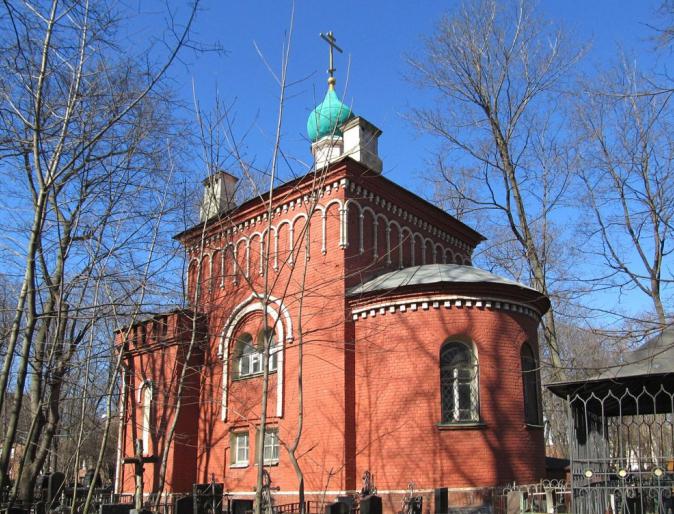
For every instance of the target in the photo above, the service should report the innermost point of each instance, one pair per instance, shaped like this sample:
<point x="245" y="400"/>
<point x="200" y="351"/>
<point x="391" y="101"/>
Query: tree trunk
<point x="522" y="232"/>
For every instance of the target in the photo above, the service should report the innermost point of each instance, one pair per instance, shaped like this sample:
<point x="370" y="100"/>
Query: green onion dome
<point x="325" y="119"/>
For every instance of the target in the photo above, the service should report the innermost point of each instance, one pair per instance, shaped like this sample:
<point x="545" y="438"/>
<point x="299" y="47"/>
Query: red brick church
<point x="416" y="365"/>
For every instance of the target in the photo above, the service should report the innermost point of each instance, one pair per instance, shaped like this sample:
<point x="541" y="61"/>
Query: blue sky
<point x="376" y="37"/>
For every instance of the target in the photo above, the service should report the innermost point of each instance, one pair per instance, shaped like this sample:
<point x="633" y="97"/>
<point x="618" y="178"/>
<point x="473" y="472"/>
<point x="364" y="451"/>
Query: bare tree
<point x="280" y="275"/>
<point x="628" y="178"/>
<point x="665" y="31"/>
<point x="497" y="69"/>
<point x="221" y="150"/>
<point x="81" y="132"/>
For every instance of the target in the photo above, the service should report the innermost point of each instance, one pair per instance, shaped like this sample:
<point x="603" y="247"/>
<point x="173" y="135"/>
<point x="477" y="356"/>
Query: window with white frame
<point x="250" y="353"/>
<point x="271" y="446"/>
<point x="239" y="449"/>
<point x="267" y="336"/>
<point x="248" y="358"/>
<point x="459" y="383"/>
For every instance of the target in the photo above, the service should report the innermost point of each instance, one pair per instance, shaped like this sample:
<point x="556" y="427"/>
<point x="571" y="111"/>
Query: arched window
<point x="146" y="416"/>
<point x="531" y="386"/>
<point x="459" y="383"/>
<point x="248" y="360"/>
<point x="192" y="281"/>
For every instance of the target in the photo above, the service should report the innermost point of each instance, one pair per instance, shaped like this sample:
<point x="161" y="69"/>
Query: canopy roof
<point x="645" y="379"/>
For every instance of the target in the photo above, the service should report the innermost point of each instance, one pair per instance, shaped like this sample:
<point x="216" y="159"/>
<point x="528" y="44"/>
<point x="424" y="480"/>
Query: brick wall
<point x="156" y="353"/>
<point x="398" y="400"/>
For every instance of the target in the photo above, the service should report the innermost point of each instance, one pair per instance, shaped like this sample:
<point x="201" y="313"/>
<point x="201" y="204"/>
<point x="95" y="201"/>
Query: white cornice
<point x="445" y="301"/>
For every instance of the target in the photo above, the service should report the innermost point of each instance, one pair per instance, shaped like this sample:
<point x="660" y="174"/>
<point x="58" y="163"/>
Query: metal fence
<point x="622" y="451"/>
<point x="547" y="496"/>
<point x="294" y="508"/>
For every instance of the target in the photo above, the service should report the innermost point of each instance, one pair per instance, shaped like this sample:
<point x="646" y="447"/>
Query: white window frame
<point x="273" y="351"/>
<point x="240" y="450"/>
<point x="254" y="364"/>
<point x="271" y="442"/>
<point x="253" y="360"/>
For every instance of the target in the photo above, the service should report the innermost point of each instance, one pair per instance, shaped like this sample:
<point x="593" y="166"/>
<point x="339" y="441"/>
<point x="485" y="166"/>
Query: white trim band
<point x="447" y="302"/>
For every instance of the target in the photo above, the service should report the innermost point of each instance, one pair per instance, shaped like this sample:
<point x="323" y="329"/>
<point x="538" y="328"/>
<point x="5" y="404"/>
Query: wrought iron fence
<point x="622" y="450"/>
<point x="63" y="500"/>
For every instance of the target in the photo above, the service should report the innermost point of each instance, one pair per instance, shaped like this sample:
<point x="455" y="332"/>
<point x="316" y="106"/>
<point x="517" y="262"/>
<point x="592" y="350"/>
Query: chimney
<point x="219" y="189"/>
<point x="361" y="142"/>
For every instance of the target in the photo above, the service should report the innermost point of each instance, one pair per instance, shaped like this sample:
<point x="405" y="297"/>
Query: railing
<point x="547" y="496"/>
<point x="621" y="442"/>
<point x="294" y="508"/>
<point x="63" y="500"/>
<point x="124" y="498"/>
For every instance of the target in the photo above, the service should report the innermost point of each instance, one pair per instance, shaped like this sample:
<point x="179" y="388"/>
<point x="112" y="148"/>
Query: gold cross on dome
<point x="330" y="39"/>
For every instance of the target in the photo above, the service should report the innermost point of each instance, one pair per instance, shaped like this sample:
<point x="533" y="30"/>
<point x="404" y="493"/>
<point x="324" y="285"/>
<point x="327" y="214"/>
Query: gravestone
<point x="338" y="507"/>
<point x="239" y="506"/>
<point x="441" y="500"/>
<point x="371" y="505"/>
<point x="184" y="505"/>
<point x="515" y="502"/>
<point x="207" y="498"/>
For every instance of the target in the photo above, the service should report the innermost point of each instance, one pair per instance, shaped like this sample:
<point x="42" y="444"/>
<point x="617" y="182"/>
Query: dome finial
<point x="332" y="42"/>
<point x="327" y="117"/>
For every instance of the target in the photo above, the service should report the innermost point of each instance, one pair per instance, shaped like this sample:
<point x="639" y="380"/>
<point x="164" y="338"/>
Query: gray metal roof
<point x="655" y="356"/>
<point x="651" y="366"/>
<point x="432" y="274"/>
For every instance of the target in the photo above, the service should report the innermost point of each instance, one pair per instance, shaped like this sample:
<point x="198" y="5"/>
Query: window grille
<point x="459" y="383"/>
